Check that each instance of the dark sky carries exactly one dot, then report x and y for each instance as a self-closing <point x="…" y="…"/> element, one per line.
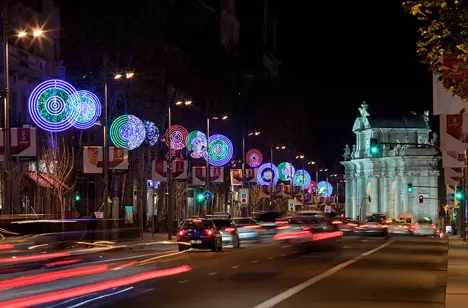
<point x="336" y="54"/>
<point x="339" y="53"/>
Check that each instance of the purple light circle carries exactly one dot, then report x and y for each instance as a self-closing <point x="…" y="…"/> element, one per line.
<point x="267" y="167"/>
<point x="220" y="150"/>
<point x="54" y="105"/>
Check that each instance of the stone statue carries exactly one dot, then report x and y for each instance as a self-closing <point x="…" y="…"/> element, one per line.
<point x="435" y="139"/>
<point x="407" y="139"/>
<point x="397" y="148"/>
<point x="347" y="153"/>
<point x="363" y="109"/>
<point x="353" y="153"/>
<point x="422" y="139"/>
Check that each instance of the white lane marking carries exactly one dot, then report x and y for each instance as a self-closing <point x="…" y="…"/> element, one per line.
<point x="211" y="274"/>
<point x="255" y="261"/>
<point x="298" y="288"/>
<point x="163" y="256"/>
<point x="345" y="247"/>
<point x="270" y="258"/>
<point x="283" y="255"/>
<point x="184" y="281"/>
<point x="235" y="266"/>
<point x="286" y="246"/>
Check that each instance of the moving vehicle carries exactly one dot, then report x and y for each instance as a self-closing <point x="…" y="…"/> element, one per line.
<point x="400" y="228"/>
<point x="267" y="220"/>
<point x="248" y="228"/>
<point x="425" y="227"/>
<point x="199" y="234"/>
<point x="346" y="225"/>
<point x="307" y="230"/>
<point x="372" y="226"/>
<point x="406" y="217"/>
<point x="227" y="228"/>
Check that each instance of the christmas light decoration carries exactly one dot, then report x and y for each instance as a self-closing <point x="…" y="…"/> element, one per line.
<point x="177" y="136"/>
<point x="301" y="178"/>
<point x="266" y="173"/>
<point x="197" y="143"/>
<point x="254" y="158"/>
<point x="286" y="171"/>
<point x="152" y="133"/>
<point x="87" y="109"/>
<point x="324" y="189"/>
<point x="127" y="131"/>
<point x="220" y="150"/>
<point x="49" y="108"/>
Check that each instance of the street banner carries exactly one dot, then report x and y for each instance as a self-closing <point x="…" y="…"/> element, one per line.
<point x="307" y="199"/>
<point x="454" y="68"/>
<point x="199" y="175"/>
<point x="160" y="170"/>
<point x="2" y="147"/>
<point x="289" y="191"/>
<point x="244" y="196"/>
<point x="23" y="142"/>
<point x="444" y="102"/>
<point x="128" y="214"/>
<point x="93" y="159"/>
<point x="236" y="176"/>
<point x="265" y="191"/>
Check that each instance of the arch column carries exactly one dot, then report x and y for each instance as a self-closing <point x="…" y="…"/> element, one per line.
<point x="374" y="193"/>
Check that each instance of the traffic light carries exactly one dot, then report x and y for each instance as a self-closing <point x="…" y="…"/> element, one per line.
<point x="374" y="147"/>
<point x="421" y="198"/>
<point x="410" y="188"/>
<point x="200" y="195"/>
<point x="77" y="196"/>
<point x="459" y="194"/>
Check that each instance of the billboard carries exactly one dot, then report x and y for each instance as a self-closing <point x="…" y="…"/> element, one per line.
<point x="23" y="142"/>
<point x="93" y="159"/>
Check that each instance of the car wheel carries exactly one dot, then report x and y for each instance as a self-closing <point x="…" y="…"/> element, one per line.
<point x="220" y="247"/>
<point x="214" y="248"/>
<point x="182" y="247"/>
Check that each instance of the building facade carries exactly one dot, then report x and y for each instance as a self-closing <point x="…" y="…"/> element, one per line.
<point x="379" y="183"/>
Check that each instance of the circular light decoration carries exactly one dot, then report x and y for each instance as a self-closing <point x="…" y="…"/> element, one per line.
<point x="286" y="171"/>
<point x="254" y="158"/>
<point x="324" y="189"/>
<point x="220" y="150"/>
<point x="266" y="173"/>
<point x="87" y="108"/>
<point x="196" y="143"/>
<point x="127" y="131"/>
<point x="49" y="108"/>
<point x="302" y="178"/>
<point x="312" y="187"/>
<point x="152" y="133"/>
<point x="177" y="137"/>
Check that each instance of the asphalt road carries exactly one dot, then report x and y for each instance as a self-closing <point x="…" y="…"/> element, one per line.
<point x="373" y="272"/>
<point x="354" y="272"/>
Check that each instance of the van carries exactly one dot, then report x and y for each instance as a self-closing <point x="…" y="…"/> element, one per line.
<point x="406" y="218"/>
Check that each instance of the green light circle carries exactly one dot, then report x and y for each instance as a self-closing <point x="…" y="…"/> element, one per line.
<point x="217" y="150"/>
<point x="115" y="129"/>
<point x="283" y="171"/>
<point x="42" y="105"/>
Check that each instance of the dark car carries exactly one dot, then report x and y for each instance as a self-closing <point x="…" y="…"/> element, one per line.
<point x="228" y="230"/>
<point x="372" y="226"/>
<point x="199" y="234"/>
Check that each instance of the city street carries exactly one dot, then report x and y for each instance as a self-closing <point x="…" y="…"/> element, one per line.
<point x="355" y="272"/>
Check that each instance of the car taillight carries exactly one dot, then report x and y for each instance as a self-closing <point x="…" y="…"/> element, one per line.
<point x="337" y="222"/>
<point x="433" y="227"/>
<point x="281" y="222"/>
<point x="181" y="232"/>
<point x="229" y="229"/>
<point x="282" y="228"/>
<point x="252" y="227"/>
<point x="363" y="226"/>
<point x="209" y="232"/>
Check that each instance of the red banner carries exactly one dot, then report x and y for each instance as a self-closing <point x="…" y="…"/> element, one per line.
<point x="236" y="176"/>
<point x="454" y="68"/>
<point x="199" y="175"/>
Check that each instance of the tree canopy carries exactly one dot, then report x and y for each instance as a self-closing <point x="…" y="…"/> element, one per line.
<point x="443" y="36"/>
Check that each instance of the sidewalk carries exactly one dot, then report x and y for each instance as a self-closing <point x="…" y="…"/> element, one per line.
<point x="150" y="240"/>
<point x="457" y="274"/>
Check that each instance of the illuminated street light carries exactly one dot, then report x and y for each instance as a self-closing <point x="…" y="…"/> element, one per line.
<point x="117" y="76"/>
<point x="129" y="75"/>
<point x="188" y="103"/>
<point x="257" y="133"/>
<point x="225" y="117"/>
<point x="179" y="103"/>
<point x="37" y="32"/>
<point x="215" y="118"/>
<point x="22" y="34"/>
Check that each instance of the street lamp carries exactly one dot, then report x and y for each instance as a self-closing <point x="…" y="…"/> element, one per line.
<point x="6" y="105"/>
<point x="278" y="148"/>
<point x="170" y="214"/>
<point x="250" y="134"/>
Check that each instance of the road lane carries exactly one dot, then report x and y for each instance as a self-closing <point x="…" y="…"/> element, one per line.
<point x="411" y="272"/>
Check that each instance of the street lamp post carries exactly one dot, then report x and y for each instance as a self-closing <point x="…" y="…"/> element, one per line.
<point x="249" y="210"/>
<point x="282" y="148"/>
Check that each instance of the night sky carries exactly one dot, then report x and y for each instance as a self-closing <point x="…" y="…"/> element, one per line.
<point x="334" y="56"/>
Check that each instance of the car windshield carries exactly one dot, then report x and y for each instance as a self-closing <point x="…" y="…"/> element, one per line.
<point x="197" y="224"/>
<point x="244" y="221"/>
<point x="222" y="222"/>
<point x="304" y="221"/>
<point x="425" y="221"/>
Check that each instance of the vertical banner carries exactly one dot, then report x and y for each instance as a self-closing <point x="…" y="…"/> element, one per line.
<point x="236" y="176"/>
<point x="160" y="170"/>
<point x="291" y="205"/>
<point x="23" y="142"/>
<point x="244" y="196"/>
<point x="199" y="175"/>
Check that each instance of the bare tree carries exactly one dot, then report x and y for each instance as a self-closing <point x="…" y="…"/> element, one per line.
<point x="58" y="160"/>
<point x="255" y="197"/>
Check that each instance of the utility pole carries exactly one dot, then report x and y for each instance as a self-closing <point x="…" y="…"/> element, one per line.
<point x="105" y="149"/>
<point x="6" y="112"/>
<point x="271" y="179"/>
<point x="208" y="179"/>
<point x="170" y="210"/>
